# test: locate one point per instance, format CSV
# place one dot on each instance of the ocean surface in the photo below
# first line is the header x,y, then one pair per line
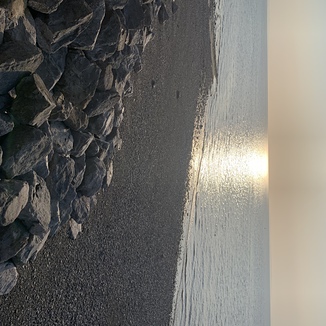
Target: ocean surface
x,y
223,269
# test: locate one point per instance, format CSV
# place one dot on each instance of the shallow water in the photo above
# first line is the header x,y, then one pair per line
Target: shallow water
x,y
223,271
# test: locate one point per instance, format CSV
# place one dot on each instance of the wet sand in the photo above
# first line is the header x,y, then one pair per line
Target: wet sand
x,y
121,269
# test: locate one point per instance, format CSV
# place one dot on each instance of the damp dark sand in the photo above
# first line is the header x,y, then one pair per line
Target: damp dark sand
x,y
121,269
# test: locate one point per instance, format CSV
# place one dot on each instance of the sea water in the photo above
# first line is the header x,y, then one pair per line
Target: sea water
x,y
223,270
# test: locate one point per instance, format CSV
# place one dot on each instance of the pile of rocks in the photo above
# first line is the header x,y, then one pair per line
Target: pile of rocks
x,y
65,68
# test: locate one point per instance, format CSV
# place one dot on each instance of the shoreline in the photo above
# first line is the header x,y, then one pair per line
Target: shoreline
x,y
121,270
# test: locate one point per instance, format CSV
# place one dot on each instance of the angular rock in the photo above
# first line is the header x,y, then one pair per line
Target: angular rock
x,y
81,209
62,171
65,205
101,125
109,175
8,277
118,116
86,40
80,167
42,168
13,238
102,102
6,124
93,149
52,67
77,119
104,147
162,14
81,142
74,229
63,108
1,154
61,27
13,198
17,59
29,252
23,149
134,14
115,4
44,6
79,80
93,177
63,141
23,31
55,218
105,81
108,38
36,215
33,103
5,102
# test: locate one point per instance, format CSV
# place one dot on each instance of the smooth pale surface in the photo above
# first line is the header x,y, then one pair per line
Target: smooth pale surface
x,y
297,157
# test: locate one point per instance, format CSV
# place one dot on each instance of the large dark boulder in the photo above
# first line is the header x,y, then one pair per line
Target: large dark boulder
x,y
65,205
63,108
108,38
81,208
61,27
63,141
102,102
77,119
87,39
44,6
134,14
93,177
13,238
79,80
23,149
36,215
62,171
6,124
23,31
52,67
34,103
13,198
8,277
81,142
17,59
80,167
101,125
29,252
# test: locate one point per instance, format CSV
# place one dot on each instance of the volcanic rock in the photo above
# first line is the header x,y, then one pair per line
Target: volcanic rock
x,y
29,252
17,59
65,205
77,119
63,142
23,149
101,125
63,108
13,198
6,124
105,81
87,39
134,14
81,209
93,177
102,102
115,4
36,215
52,67
81,142
13,238
74,229
79,80
33,103
80,167
8,277
44,6
62,171
23,31
61,27
108,38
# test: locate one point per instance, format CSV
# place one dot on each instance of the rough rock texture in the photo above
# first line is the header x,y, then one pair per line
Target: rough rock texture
x,y
8,277
13,198
13,238
23,149
65,69
33,103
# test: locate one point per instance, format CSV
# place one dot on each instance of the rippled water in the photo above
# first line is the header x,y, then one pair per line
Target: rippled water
x,y
223,272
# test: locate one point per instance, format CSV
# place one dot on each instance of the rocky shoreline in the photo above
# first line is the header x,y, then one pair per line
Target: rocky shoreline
x,y
65,68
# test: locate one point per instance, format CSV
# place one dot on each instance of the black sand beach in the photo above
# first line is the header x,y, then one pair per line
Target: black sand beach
x,y
121,269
